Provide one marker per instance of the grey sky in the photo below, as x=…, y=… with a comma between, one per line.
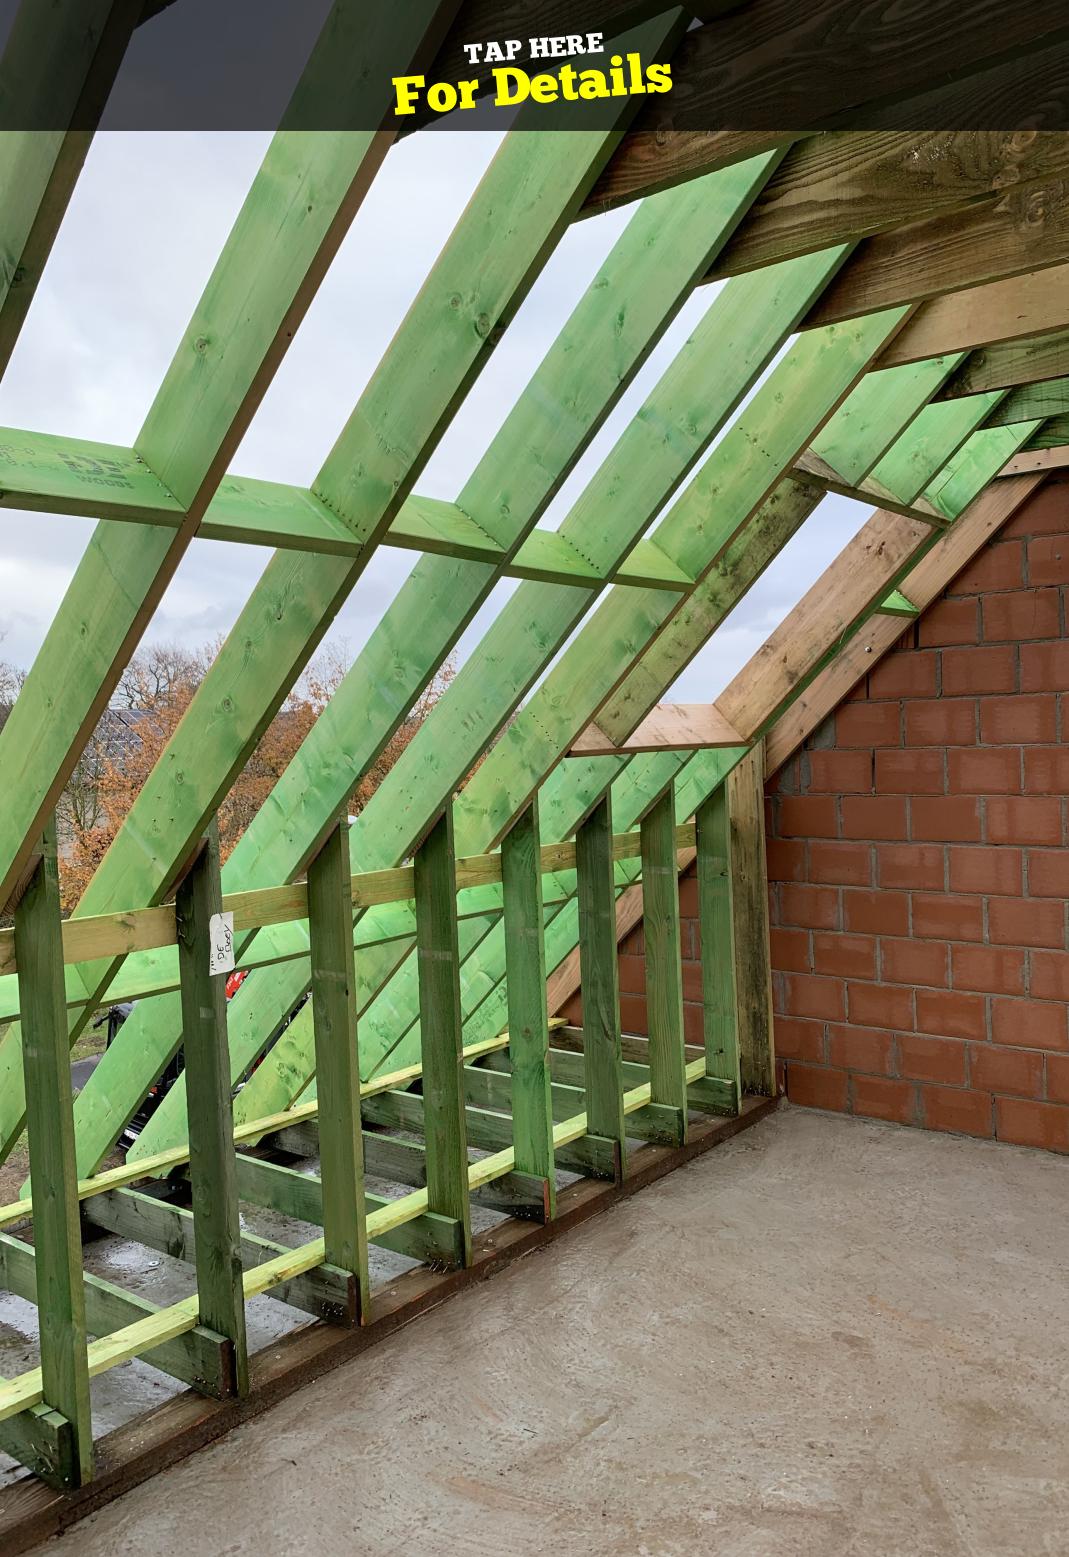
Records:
x=147, y=220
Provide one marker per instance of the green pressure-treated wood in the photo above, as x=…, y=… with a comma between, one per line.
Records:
x=330, y=924
x=880, y=408
x=1053, y=434
x=199, y=1358
x=288, y=230
x=43, y=1441
x=1033, y=400
x=522, y=207
x=532, y=1115
x=211, y=1131
x=57, y=69
x=1011, y=363
x=596, y=897
x=719, y=1020
x=324, y=1292
x=438, y=962
x=935, y=437
x=50, y=1131
x=632, y=299
x=664, y=961
x=749, y=920
x=896, y=604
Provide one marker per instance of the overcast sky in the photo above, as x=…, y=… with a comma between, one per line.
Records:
x=148, y=218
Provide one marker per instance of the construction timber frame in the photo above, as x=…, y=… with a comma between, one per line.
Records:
x=894, y=325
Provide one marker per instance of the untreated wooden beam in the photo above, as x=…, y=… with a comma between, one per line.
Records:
x=922, y=584
x=1037, y=460
x=1011, y=310
x=675, y=726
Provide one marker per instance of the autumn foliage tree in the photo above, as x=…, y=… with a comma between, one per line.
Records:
x=153, y=695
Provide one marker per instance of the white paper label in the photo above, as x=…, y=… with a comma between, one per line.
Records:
x=221, y=943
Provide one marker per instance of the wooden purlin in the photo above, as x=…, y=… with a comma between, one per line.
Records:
x=651, y=269
x=121, y=577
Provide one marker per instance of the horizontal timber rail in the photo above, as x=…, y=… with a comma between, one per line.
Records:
x=502, y=1122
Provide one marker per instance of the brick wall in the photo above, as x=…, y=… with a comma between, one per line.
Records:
x=918, y=868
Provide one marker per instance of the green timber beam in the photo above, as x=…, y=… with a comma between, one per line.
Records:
x=647, y=277
x=1049, y=398
x=58, y=67
x=1011, y=365
x=288, y=230
x=743, y=328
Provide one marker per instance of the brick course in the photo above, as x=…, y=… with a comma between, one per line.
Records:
x=918, y=867
x=941, y=886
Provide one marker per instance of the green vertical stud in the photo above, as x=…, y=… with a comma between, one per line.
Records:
x=525, y=962
x=664, y=966
x=600, y=973
x=50, y=1126
x=441, y=1029
x=717, y=956
x=749, y=919
x=212, y=1168
x=330, y=924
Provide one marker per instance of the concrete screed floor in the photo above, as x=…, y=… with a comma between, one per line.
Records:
x=827, y=1336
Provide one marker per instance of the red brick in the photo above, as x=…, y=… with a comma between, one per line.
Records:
x=957, y=1111
x=1048, y=563
x=998, y=566
x=1046, y=770
x=1024, y=613
x=797, y=1039
x=812, y=908
x=867, y=724
x=874, y=816
x=996, y=1069
x=845, y=956
x=950, y=1014
x=869, y=1049
x=905, y=673
x=914, y=962
x=840, y=864
x=1032, y=1124
x=1057, y=1077
x=787, y=859
x=949, y=621
x=943, y=721
x=808, y=816
x=967, y=672
x=812, y=1086
x=1018, y=721
x=806, y=994
x=633, y=1018
x=918, y=865
x=1044, y=513
x=994, y=970
x=917, y=771
x=877, y=1097
x=1048, y=873
x=1050, y=975
x=1033, y=1024
x=1045, y=666
x=945, y=818
x=876, y=913
x=947, y=917
x=789, y=952
x=985, y=870
x=694, y=1023
x=632, y=975
x=993, y=770
x=840, y=772
x=1024, y=819
x=688, y=896
x=932, y=1059
x=1015, y=921
x=880, y=1005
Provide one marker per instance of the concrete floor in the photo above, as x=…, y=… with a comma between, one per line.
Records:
x=827, y=1337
